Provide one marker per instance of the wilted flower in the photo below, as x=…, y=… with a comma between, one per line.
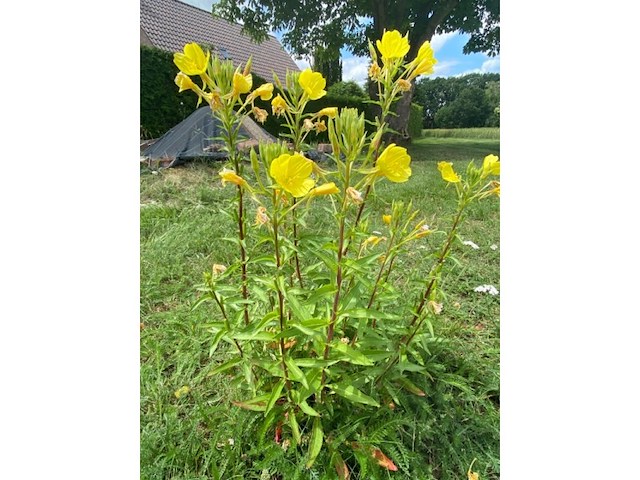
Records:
x=404, y=85
x=313, y=84
x=446, y=170
x=494, y=247
x=307, y=125
x=260, y=114
x=435, y=307
x=193, y=61
x=261, y=216
x=320, y=126
x=230, y=176
x=393, y=164
x=423, y=231
x=355, y=195
x=278, y=105
x=292, y=172
x=393, y=45
x=373, y=240
x=374, y=70
x=496, y=188
x=217, y=269
x=383, y=460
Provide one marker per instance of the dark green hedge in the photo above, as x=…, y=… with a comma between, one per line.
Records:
x=415, y=121
x=161, y=106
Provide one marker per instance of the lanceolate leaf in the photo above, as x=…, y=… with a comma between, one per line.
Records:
x=225, y=366
x=295, y=373
x=351, y=355
x=315, y=442
x=295, y=429
x=352, y=393
x=275, y=395
x=407, y=385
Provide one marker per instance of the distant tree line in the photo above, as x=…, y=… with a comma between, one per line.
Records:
x=471, y=100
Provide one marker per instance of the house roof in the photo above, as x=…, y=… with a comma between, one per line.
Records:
x=170, y=24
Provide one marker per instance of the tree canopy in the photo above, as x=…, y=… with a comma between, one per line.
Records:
x=333, y=24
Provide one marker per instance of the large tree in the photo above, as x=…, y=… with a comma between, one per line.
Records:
x=333, y=24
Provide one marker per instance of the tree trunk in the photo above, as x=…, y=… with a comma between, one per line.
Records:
x=401, y=123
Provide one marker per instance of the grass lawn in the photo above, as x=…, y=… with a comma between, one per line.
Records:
x=180, y=232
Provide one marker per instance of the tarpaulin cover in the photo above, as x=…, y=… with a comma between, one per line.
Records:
x=195, y=137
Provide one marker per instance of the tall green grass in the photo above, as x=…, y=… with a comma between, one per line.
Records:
x=492, y=133
x=434, y=437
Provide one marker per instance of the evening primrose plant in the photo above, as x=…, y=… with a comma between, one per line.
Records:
x=318, y=331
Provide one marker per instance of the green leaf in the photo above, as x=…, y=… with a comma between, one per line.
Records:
x=225, y=366
x=299, y=312
x=216, y=341
x=409, y=386
x=295, y=373
x=352, y=393
x=275, y=395
x=369, y=313
x=257, y=404
x=315, y=442
x=315, y=362
x=257, y=335
x=304, y=406
x=295, y=428
x=201, y=300
x=351, y=354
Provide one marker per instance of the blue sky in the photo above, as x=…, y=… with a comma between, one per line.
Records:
x=447, y=48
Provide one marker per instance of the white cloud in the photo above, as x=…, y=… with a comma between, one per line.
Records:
x=438, y=41
x=303, y=63
x=442, y=68
x=355, y=69
x=490, y=65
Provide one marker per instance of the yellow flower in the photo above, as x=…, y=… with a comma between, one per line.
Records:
x=230, y=176
x=393, y=45
x=446, y=170
x=386, y=219
x=241, y=83
x=260, y=114
x=373, y=240
x=355, y=195
x=292, y=172
x=313, y=84
x=182, y=391
x=325, y=189
x=424, y=61
x=184, y=82
x=261, y=216
x=490, y=166
x=193, y=61
x=278, y=105
x=264, y=91
x=330, y=112
x=393, y=163
x=320, y=126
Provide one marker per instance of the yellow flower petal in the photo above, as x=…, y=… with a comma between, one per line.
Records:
x=264, y=91
x=278, y=105
x=446, y=170
x=184, y=82
x=241, y=83
x=330, y=112
x=393, y=164
x=182, y=391
x=193, y=61
x=393, y=45
x=386, y=219
x=424, y=62
x=312, y=83
x=230, y=176
x=490, y=166
x=325, y=189
x=292, y=172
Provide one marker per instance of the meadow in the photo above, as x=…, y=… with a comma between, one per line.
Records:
x=201, y=435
